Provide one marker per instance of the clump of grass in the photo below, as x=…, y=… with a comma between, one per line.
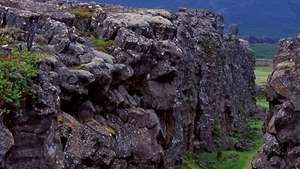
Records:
x=82, y=11
x=101, y=44
x=16, y=73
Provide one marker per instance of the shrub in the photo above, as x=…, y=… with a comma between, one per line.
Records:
x=4, y=40
x=8, y=34
x=16, y=73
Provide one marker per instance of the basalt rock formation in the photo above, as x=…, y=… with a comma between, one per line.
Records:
x=281, y=145
x=168, y=83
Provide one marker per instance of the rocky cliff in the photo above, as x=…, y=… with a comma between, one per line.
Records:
x=123, y=88
x=281, y=146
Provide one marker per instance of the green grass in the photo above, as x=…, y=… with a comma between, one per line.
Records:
x=102, y=44
x=190, y=161
x=262, y=102
x=227, y=159
x=264, y=50
x=262, y=74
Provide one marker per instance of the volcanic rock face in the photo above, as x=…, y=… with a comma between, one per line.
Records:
x=281, y=147
x=170, y=82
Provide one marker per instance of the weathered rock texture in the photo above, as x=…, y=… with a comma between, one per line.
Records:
x=170, y=82
x=281, y=147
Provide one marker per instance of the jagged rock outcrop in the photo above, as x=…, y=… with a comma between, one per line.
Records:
x=170, y=82
x=281, y=145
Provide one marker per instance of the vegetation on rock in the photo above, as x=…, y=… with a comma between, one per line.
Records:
x=7, y=34
x=83, y=11
x=4, y=40
x=262, y=102
x=16, y=72
x=209, y=46
x=101, y=44
x=156, y=94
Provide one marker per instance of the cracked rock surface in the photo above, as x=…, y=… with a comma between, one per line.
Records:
x=281, y=145
x=163, y=87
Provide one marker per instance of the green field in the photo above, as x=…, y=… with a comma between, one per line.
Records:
x=264, y=50
x=262, y=74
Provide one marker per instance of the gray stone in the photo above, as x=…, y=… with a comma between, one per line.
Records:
x=168, y=80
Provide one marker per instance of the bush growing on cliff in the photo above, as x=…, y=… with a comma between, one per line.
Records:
x=9, y=33
x=3, y=40
x=16, y=72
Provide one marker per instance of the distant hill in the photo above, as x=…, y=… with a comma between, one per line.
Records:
x=264, y=50
x=272, y=18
